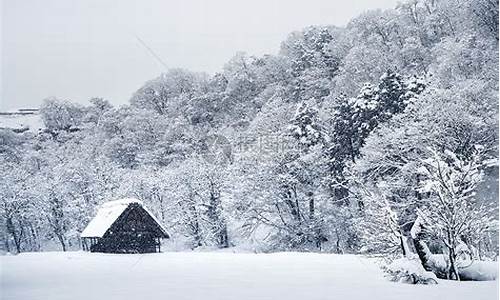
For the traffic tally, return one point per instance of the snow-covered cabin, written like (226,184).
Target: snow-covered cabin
(123,226)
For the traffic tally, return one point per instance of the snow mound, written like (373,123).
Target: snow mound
(478,270)
(409,270)
(107,214)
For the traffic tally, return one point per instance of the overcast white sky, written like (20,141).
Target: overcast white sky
(84,48)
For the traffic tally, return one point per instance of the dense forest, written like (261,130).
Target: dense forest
(349,140)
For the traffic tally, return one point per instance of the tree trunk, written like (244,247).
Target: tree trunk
(34,236)
(6,242)
(337,243)
(12,230)
(223,240)
(453,271)
(196,233)
(404,246)
(195,224)
(311,205)
(63,243)
(423,252)
(218,225)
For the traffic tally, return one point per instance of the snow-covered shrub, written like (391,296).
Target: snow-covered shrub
(452,211)
(409,270)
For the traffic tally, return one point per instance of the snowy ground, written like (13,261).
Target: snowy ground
(217,276)
(16,121)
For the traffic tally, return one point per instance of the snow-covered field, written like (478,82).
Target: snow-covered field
(16,121)
(214,275)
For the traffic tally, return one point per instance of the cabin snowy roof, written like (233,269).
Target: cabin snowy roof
(108,213)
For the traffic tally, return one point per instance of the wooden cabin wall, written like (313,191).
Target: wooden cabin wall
(135,231)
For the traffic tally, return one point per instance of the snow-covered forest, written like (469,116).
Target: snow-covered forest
(377,138)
